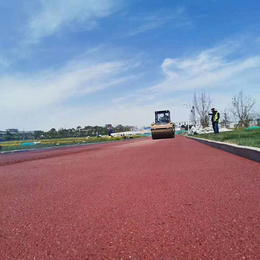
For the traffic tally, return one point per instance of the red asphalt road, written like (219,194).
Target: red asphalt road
(140,199)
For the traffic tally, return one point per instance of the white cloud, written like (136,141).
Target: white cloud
(53,17)
(36,96)
(177,18)
(139,115)
(205,70)
(56,14)
(37,101)
(211,70)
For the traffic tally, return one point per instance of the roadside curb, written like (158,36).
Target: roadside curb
(250,153)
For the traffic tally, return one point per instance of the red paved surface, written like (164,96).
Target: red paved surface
(165,199)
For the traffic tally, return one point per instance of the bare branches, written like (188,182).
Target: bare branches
(202,104)
(225,121)
(241,108)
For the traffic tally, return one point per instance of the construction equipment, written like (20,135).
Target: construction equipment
(163,127)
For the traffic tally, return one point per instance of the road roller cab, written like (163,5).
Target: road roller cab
(163,127)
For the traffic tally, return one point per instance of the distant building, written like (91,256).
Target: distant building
(28,135)
(254,122)
(18,135)
(12,131)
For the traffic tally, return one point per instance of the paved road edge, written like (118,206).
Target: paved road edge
(243,151)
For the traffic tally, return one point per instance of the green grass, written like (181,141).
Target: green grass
(239,137)
(16,145)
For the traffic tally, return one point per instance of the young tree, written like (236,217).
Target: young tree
(52,133)
(241,108)
(8,136)
(38,134)
(202,104)
(79,130)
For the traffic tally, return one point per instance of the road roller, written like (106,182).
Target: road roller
(163,127)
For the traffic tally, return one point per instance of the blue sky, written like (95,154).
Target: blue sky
(92,62)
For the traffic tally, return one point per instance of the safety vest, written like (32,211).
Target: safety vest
(216,118)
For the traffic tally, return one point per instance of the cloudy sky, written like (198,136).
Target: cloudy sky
(65,63)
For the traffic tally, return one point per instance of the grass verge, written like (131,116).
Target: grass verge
(239,137)
(18,145)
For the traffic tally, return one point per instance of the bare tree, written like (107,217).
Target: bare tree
(225,121)
(242,108)
(202,104)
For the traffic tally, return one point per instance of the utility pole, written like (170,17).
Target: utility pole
(187,108)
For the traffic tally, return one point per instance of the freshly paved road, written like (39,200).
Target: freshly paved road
(140,199)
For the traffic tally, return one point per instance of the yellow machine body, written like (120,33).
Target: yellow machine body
(163,127)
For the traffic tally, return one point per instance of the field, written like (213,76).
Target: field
(29,144)
(239,137)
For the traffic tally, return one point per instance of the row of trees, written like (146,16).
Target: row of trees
(81,131)
(72,132)
(241,108)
